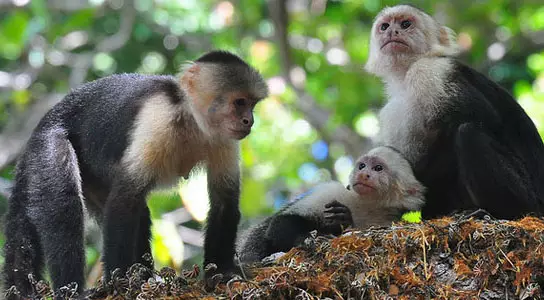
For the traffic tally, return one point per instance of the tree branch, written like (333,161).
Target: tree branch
(19,129)
(17,132)
(315,115)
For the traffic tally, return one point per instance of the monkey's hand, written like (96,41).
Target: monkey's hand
(337,218)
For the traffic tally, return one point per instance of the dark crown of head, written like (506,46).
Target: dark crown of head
(222,57)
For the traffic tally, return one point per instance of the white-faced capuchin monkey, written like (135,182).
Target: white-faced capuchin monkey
(469,141)
(107,144)
(381,188)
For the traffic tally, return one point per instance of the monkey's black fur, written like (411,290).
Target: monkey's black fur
(85,134)
(487,152)
(289,228)
(75,150)
(220,56)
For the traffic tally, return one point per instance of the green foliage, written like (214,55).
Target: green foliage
(12,37)
(163,201)
(412,217)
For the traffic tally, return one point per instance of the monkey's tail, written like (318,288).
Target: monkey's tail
(22,250)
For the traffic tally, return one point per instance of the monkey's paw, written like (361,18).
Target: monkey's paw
(214,276)
(337,217)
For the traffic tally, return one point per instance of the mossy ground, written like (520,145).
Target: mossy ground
(458,257)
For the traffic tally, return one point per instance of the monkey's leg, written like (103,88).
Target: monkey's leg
(22,250)
(143,236)
(222,225)
(121,218)
(494,177)
(55,207)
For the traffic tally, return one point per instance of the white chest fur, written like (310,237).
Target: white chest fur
(402,126)
(163,145)
(414,102)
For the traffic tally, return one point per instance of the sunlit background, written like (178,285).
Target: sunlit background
(322,109)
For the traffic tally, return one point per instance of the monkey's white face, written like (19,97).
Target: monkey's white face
(370,176)
(399,33)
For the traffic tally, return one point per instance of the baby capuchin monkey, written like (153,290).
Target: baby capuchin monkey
(469,141)
(106,145)
(381,188)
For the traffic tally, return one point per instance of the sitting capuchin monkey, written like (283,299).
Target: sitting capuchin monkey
(106,145)
(469,141)
(381,189)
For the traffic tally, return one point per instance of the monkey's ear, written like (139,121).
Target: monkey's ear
(447,36)
(348,187)
(447,42)
(190,77)
(416,189)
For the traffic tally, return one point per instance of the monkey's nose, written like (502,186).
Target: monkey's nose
(247,122)
(365,176)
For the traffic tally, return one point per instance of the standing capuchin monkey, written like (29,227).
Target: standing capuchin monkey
(470,142)
(381,188)
(108,143)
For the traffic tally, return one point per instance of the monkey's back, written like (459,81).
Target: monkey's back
(479,100)
(99,115)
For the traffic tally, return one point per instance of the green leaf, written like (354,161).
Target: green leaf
(12,33)
(163,201)
(80,20)
(253,199)
(412,217)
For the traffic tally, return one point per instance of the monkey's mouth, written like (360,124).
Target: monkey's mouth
(240,133)
(364,184)
(362,188)
(394,41)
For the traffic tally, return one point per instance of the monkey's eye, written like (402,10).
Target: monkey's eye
(384,26)
(362,166)
(405,24)
(240,102)
(378,168)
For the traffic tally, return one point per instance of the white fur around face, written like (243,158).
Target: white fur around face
(426,38)
(405,191)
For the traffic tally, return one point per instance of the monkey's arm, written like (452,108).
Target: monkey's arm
(224,214)
(492,173)
(287,231)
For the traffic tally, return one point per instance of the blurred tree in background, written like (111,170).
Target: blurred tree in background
(321,112)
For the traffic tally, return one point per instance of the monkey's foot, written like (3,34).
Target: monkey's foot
(214,276)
